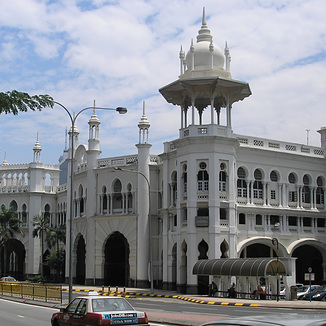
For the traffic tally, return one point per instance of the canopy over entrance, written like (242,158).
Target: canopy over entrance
(259,267)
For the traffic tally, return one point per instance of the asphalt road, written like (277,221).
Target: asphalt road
(160,311)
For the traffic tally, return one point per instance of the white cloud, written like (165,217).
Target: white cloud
(121,52)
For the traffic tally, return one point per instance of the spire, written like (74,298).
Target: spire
(143,126)
(5,162)
(204,34)
(227,57)
(94,123)
(37,150)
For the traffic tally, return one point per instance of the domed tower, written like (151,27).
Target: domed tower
(203,83)
(37,151)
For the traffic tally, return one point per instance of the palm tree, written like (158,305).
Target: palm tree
(13,102)
(9,225)
(56,235)
(41,225)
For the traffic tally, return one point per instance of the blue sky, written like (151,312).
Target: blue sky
(120,53)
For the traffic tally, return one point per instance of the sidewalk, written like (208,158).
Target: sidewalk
(205,299)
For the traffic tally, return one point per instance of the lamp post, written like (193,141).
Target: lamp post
(73,118)
(275,243)
(149,225)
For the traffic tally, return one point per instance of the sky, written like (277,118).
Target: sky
(120,53)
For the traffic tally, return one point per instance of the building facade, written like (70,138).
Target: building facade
(211,195)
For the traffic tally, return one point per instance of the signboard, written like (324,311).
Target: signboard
(309,276)
(201,221)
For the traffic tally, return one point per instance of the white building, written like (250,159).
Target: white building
(215,198)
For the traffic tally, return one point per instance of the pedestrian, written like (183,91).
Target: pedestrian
(231,291)
(212,289)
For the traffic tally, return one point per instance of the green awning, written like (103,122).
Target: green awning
(259,267)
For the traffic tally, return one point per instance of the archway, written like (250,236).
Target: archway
(81,266)
(308,256)
(14,257)
(203,280)
(116,266)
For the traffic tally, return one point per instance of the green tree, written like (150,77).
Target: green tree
(41,225)
(14,101)
(56,235)
(56,262)
(9,225)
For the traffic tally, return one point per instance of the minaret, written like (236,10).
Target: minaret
(93,154)
(37,151)
(5,162)
(143,194)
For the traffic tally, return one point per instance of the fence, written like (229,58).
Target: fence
(31,290)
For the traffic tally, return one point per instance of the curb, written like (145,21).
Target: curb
(130,294)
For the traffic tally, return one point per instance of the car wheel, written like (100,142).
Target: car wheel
(55,322)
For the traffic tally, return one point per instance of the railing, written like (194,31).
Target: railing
(34,291)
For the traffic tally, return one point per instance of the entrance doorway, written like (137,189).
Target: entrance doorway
(116,266)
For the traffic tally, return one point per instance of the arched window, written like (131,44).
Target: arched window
(258,185)
(130,198)
(174,188)
(292,178)
(273,176)
(13,206)
(117,197)
(306,198)
(242,183)
(46,213)
(222,181)
(202,178)
(184,176)
(320,196)
(81,200)
(24,216)
(104,201)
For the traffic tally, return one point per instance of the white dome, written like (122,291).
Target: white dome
(202,56)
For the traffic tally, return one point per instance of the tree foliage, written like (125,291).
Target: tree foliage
(9,225)
(14,101)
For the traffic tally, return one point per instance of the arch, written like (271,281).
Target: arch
(81,260)
(183,267)
(12,259)
(224,248)
(202,280)
(13,206)
(116,263)
(308,256)
(174,267)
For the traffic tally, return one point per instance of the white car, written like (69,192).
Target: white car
(94,310)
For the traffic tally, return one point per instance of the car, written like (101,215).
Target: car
(94,309)
(273,320)
(319,289)
(320,296)
(305,289)
(8,279)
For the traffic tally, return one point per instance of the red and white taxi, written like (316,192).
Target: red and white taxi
(94,310)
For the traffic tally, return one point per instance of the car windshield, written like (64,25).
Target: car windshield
(110,304)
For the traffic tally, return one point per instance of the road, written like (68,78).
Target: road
(158,309)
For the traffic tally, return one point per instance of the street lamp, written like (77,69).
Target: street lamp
(73,118)
(149,225)
(275,243)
